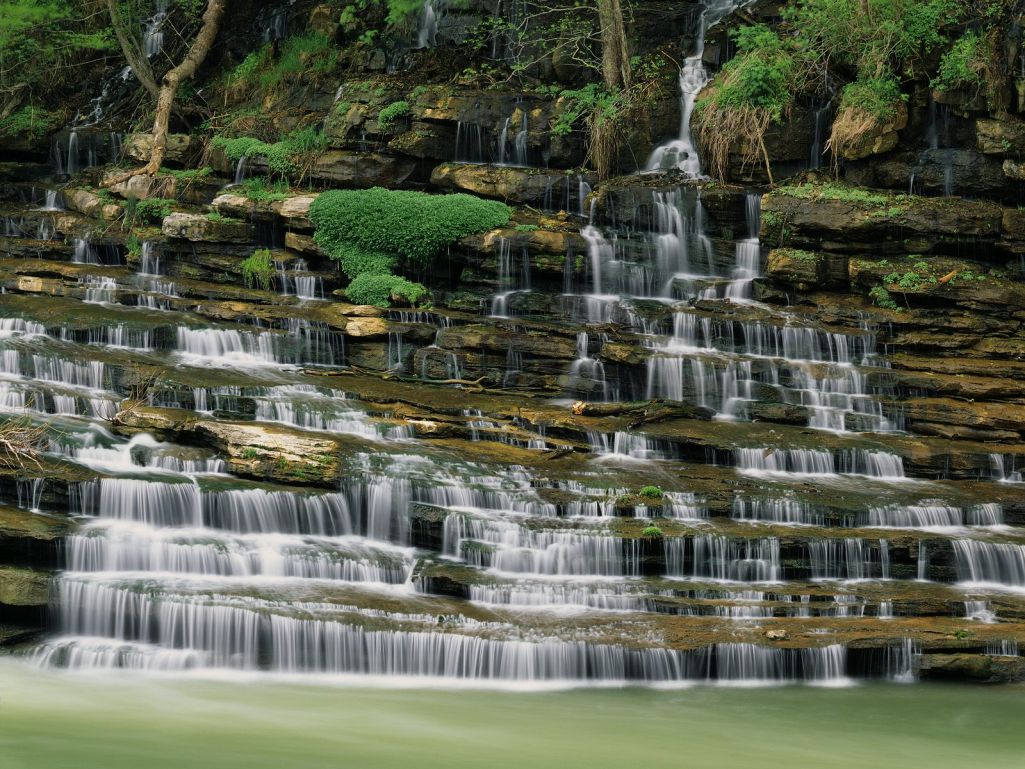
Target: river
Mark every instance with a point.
(56, 719)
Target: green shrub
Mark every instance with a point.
(258, 269)
(964, 65)
(651, 492)
(149, 210)
(884, 299)
(257, 188)
(412, 225)
(378, 290)
(355, 261)
(287, 156)
(652, 532)
(591, 100)
(761, 76)
(878, 97)
(392, 113)
(33, 122)
(299, 57)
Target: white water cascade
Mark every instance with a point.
(427, 29)
(681, 153)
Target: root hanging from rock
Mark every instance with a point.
(723, 131)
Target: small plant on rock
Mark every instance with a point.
(258, 269)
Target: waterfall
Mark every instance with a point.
(817, 462)
(1000, 471)
(779, 510)
(240, 169)
(839, 559)
(84, 252)
(722, 558)
(153, 35)
(925, 516)
(979, 611)
(820, 122)
(682, 153)
(100, 289)
(427, 29)
(471, 138)
(513, 277)
(149, 259)
(989, 562)
(54, 202)
(587, 374)
(749, 253)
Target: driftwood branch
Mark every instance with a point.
(169, 89)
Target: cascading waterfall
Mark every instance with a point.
(513, 277)
(427, 29)
(749, 254)
(723, 558)
(681, 154)
(989, 562)
(153, 35)
(817, 462)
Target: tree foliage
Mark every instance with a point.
(370, 231)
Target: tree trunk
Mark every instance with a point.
(615, 58)
(133, 54)
(169, 88)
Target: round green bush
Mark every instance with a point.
(378, 290)
(410, 225)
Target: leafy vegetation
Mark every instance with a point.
(147, 210)
(370, 231)
(29, 121)
(293, 154)
(869, 47)
(379, 290)
(882, 298)
(259, 189)
(268, 69)
(652, 532)
(754, 89)
(258, 269)
(651, 492)
(413, 225)
(392, 114)
(967, 64)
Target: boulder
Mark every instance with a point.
(271, 452)
(835, 218)
(362, 169)
(92, 205)
(478, 337)
(1008, 418)
(795, 268)
(974, 668)
(198, 227)
(304, 244)
(515, 185)
(1000, 136)
(880, 139)
(23, 587)
(1013, 169)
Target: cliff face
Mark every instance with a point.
(802, 404)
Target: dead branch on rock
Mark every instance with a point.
(20, 442)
